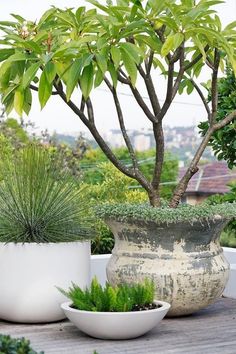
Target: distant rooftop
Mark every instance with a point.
(211, 178)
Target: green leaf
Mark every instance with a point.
(6, 53)
(158, 63)
(30, 45)
(178, 39)
(200, 46)
(46, 16)
(8, 23)
(9, 92)
(98, 78)
(45, 89)
(113, 73)
(98, 5)
(18, 18)
(230, 26)
(66, 18)
(5, 74)
(172, 42)
(153, 43)
(102, 63)
(30, 74)
(167, 46)
(86, 81)
(132, 51)
(73, 77)
(21, 57)
(130, 66)
(50, 71)
(79, 13)
(27, 101)
(116, 56)
(19, 101)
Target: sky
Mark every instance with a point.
(56, 116)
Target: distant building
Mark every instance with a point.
(211, 179)
(142, 142)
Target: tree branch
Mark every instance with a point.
(195, 60)
(192, 169)
(228, 119)
(180, 74)
(123, 79)
(169, 92)
(82, 104)
(138, 174)
(183, 183)
(90, 110)
(204, 101)
(148, 63)
(140, 100)
(93, 130)
(214, 89)
(35, 88)
(150, 90)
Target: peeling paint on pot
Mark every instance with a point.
(185, 261)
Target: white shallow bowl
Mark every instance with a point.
(116, 325)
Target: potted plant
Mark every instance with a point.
(121, 312)
(16, 345)
(69, 52)
(44, 236)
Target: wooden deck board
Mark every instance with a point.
(210, 331)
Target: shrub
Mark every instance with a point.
(121, 298)
(115, 187)
(39, 202)
(165, 214)
(10, 345)
(223, 141)
(228, 236)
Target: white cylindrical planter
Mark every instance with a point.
(230, 289)
(29, 274)
(98, 267)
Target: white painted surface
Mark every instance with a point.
(29, 274)
(230, 254)
(98, 267)
(116, 325)
(230, 289)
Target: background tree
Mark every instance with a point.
(94, 172)
(69, 51)
(223, 142)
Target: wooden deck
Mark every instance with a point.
(209, 331)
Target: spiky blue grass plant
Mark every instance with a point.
(40, 202)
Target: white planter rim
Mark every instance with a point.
(229, 249)
(164, 306)
(42, 243)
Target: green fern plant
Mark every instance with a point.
(121, 298)
(40, 202)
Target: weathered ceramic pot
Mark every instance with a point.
(185, 261)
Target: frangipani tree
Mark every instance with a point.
(73, 51)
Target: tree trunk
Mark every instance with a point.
(182, 186)
(154, 198)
